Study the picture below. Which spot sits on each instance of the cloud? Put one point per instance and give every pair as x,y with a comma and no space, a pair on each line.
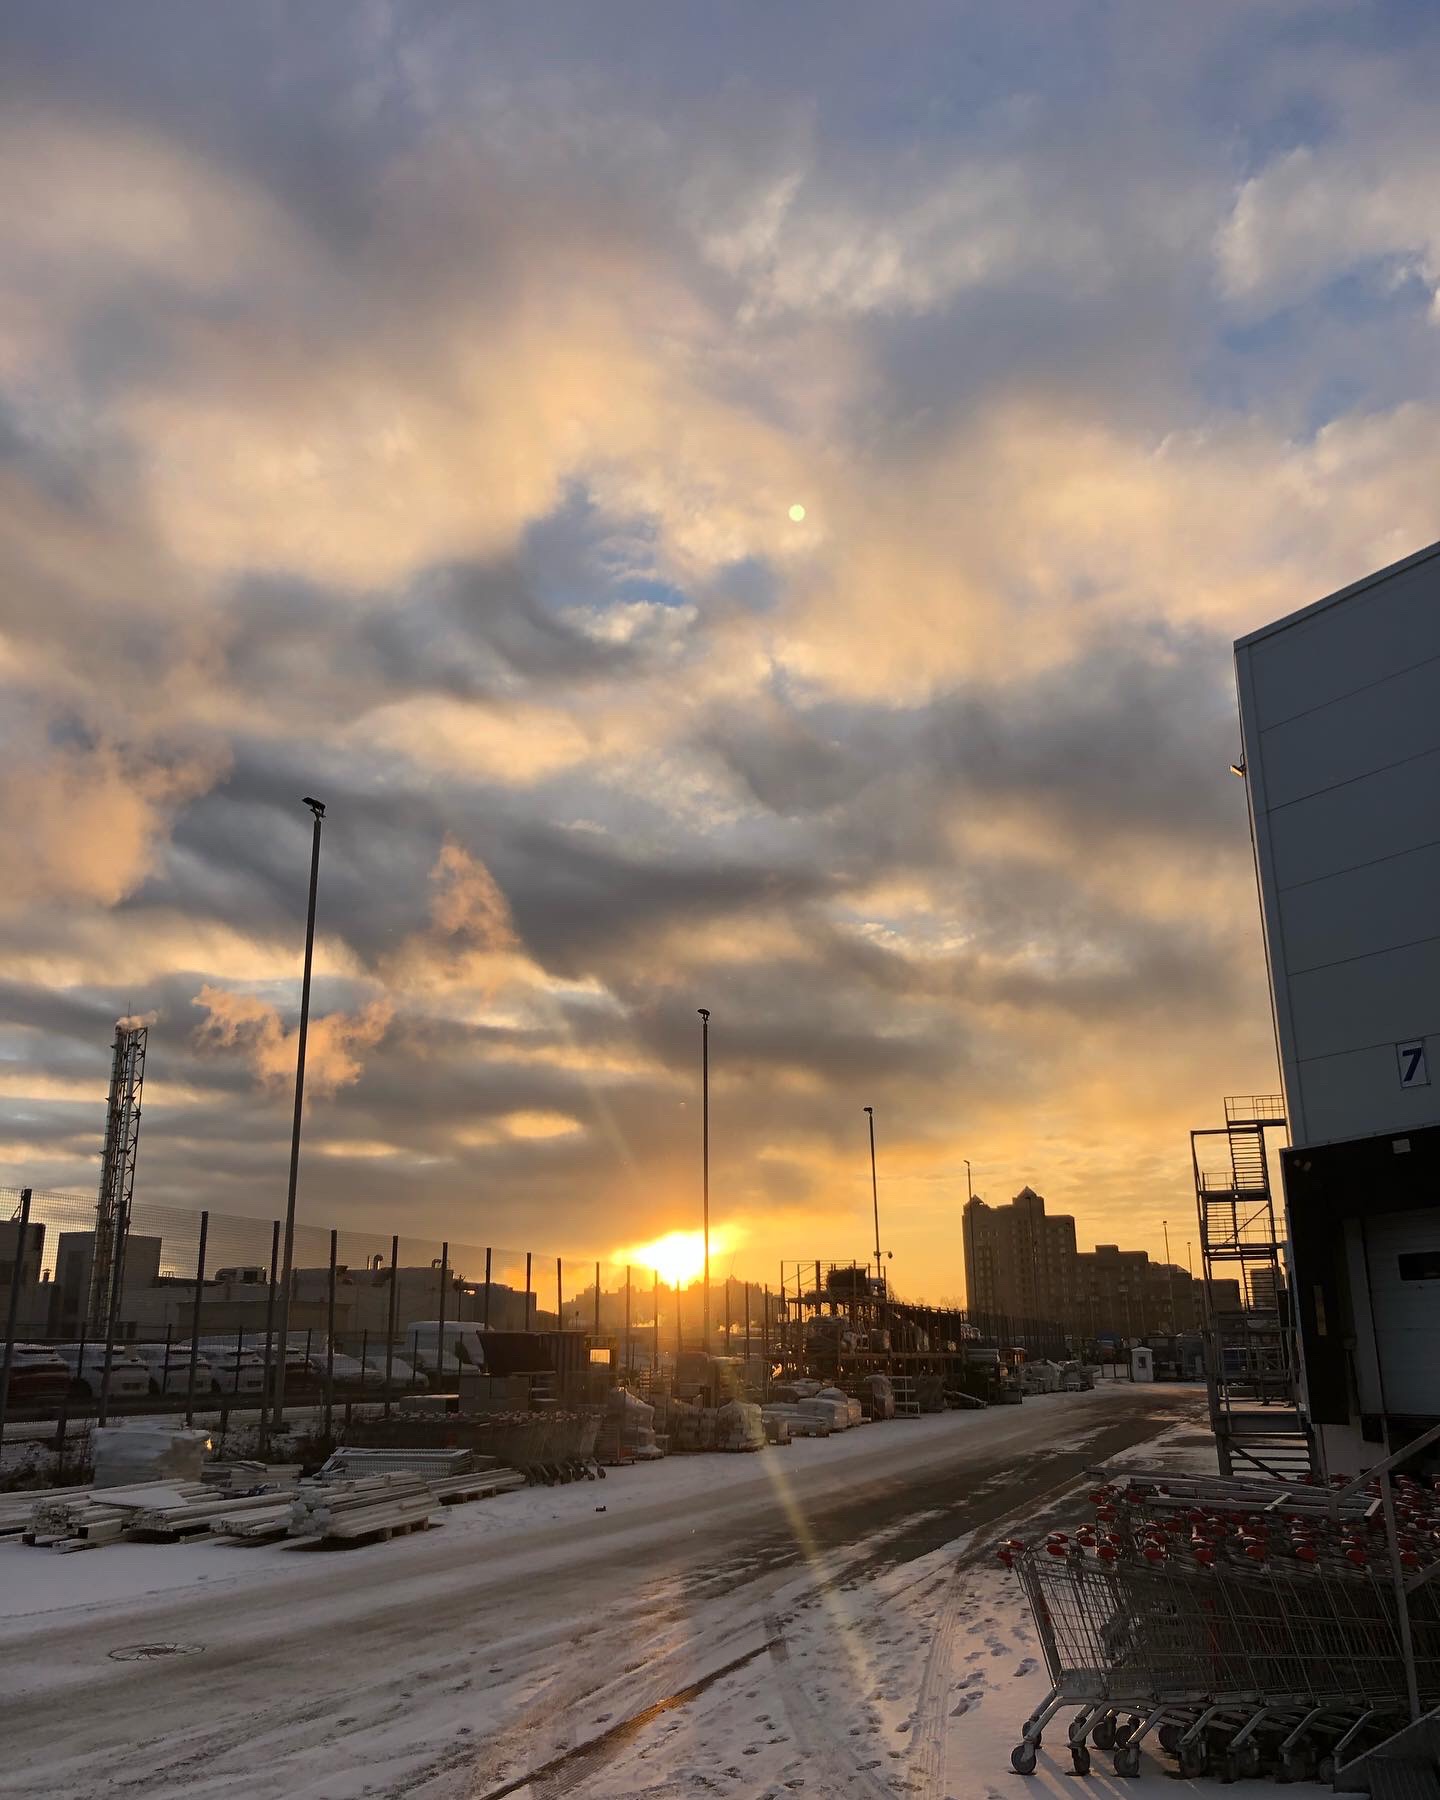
333,1049
411,413
84,822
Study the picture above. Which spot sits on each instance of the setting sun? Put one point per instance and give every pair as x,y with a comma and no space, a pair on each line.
680,1255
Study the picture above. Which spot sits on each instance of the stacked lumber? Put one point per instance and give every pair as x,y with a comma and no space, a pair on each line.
374,1506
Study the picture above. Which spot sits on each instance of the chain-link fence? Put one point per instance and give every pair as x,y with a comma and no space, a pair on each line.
185,1312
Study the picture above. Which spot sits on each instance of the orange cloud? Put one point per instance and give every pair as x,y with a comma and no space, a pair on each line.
253,1026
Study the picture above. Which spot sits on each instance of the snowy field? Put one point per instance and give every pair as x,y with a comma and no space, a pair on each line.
822,1620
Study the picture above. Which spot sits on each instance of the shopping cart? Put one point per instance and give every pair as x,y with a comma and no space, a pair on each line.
1239,1664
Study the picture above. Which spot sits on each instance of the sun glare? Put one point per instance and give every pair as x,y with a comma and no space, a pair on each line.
678,1256
797,512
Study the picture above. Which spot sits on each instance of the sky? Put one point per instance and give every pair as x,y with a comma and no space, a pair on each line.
741,506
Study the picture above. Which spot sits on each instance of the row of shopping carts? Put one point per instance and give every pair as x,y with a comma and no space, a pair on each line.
1251,1628
546,1447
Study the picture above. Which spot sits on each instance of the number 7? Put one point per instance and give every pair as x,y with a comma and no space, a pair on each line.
1414,1055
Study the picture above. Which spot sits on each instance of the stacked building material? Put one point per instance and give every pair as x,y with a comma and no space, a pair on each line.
375,1506
796,1422
197,1515
60,1520
739,1426
349,1463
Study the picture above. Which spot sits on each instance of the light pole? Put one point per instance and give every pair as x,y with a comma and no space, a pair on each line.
317,808
875,1196
704,1012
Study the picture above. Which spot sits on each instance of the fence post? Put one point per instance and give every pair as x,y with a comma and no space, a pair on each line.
527,1290
364,1364
728,1320
165,1366
629,1347
12,1307
194,1321
82,1346
118,1245
655,1329
330,1337
747,1321
559,1297
269,1330
390,1318
485,1321
679,1327
597,1299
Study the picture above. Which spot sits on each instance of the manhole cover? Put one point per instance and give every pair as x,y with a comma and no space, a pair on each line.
151,1652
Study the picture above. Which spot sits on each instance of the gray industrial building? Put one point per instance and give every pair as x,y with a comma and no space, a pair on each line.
1340,722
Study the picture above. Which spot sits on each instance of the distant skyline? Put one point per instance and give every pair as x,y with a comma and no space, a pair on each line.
741,506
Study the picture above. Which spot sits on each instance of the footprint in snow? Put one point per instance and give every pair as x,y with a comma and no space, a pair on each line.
1026,1667
974,1656
965,1703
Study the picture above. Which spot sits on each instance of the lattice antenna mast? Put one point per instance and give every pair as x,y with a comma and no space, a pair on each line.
117,1166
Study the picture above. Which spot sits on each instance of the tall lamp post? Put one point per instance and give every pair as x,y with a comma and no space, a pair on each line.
287,1267
875,1195
704,1012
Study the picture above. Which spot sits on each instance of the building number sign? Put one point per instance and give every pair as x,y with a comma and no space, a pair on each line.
1414,1072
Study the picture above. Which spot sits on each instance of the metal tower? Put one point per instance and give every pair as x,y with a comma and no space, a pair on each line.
1250,1360
117,1170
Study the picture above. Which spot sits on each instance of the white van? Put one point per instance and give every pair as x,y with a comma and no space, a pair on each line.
444,1349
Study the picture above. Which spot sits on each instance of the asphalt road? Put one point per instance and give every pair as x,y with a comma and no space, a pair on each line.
465,1665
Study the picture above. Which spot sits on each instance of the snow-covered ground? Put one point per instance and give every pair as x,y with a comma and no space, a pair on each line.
823,1620
914,1682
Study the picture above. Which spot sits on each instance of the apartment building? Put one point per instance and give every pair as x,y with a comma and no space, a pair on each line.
1023,1263
1018,1260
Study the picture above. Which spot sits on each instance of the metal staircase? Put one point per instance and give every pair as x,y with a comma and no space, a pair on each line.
1251,1368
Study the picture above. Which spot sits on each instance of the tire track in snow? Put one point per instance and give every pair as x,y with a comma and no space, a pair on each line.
844,1777
928,1743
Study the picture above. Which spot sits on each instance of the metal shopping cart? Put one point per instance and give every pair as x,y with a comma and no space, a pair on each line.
1238,1665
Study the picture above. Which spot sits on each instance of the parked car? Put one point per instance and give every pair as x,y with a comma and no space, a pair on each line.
404,1376
351,1376
38,1377
169,1368
235,1372
129,1377
461,1342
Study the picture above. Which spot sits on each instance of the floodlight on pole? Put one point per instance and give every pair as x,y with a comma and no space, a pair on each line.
704,1012
875,1196
287,1267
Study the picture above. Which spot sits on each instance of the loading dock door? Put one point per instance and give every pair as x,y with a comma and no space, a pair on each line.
1403,1251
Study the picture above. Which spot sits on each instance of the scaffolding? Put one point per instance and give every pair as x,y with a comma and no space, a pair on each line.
117,1171
841,1322
1250,1355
